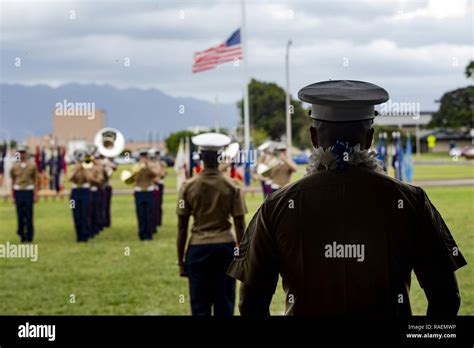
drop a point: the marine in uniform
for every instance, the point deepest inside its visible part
(211, 197)
(96, 188)
(263, 161)
(346, 237)
(23, 174)
(159, 188)
(81, 178)
(144, 174)
(280, 175)
(108, 168)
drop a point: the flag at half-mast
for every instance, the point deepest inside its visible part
(228, 51)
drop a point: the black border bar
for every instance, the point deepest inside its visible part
(237, 330)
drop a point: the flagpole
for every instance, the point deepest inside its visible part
(243, 37)
(216, 119)
(289, 140)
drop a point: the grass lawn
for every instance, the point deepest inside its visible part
(421, 172)
(104, 280)
(426, 172)
(437, 156)
(441, 172)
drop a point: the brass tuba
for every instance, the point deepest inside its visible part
(110, 142)
(88, 162)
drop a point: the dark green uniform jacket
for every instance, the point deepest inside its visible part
(345, 243)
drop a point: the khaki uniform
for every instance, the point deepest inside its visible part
(158, 194)
(79, 178)
(396, 223)
(211, 197)
(109, 168)
(281, 174)
(144, 179)
(144, 199)
(98, 173)
(97, 207)
(81, 196)
(223, 167)
(23, 175)
(163, 166)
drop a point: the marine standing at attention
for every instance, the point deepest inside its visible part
(211, 197)
(346, 237)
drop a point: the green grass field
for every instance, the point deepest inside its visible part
(104, 280)
(421, 172)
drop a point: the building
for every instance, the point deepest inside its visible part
(73, 124)
(445, 138)
(78, 126)
(70, 126)
(407, 123)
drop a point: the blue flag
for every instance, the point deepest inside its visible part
(380, 151)
(248, 161)
(400, 158)
(408, 160)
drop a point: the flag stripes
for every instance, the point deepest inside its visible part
(228, 51)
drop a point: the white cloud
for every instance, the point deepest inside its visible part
(414, 48)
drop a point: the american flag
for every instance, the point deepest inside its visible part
(227, 51)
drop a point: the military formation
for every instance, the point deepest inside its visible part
(344, 239)
(91, 193)
(91, 189)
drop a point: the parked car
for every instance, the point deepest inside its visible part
(168, 159)
(301, 158)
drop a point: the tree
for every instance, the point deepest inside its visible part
(267, 112)
(469, 72)
(259, 136)
(455, 110)
(172, 142)
(457, 107)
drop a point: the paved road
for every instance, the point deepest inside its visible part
(453, 182)
(443, 163)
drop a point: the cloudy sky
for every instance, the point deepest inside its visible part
(417, 50)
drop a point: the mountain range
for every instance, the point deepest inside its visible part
(27, 110)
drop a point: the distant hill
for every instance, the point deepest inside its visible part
(27, 110)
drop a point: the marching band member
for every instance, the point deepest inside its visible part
(81, 178)
(108, 168)
(280, 175)
(159, 188)
(23, 174)
(144, 173)
(108, 143)
(96, 206)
